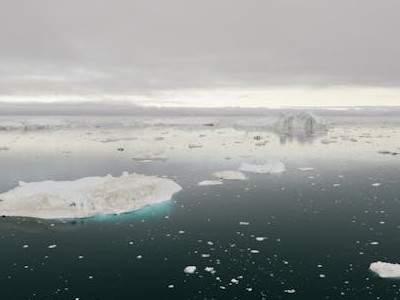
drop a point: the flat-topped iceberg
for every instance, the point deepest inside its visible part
(86, 197)
(385, 270)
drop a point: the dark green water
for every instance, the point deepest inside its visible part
(296, 235)
(317, 241)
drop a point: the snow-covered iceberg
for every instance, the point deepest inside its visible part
(86, 197)
(385, 270)
(270, 167)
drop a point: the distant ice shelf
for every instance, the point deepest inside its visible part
(86, 197)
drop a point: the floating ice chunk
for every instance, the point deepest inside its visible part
(190, 269)
(376, 184)
(86, 197)
(230, 175)
(210, 270)
(52, 246)
(292, 291)
(385, 270)
(244, 223)
(270, 167)
(305, 169)
(209, 182)
(260, 238)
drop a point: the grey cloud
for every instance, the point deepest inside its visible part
(128, 46)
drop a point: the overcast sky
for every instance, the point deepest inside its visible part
(201, 52)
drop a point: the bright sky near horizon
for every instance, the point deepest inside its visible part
(213, 53)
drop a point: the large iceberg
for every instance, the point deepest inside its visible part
(303, 127)
(300, 122)
(86, 197)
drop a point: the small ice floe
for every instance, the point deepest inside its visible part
(260, 238)
(376, 184)
(255, 251)
(210, 182)
(210, 270)
(385, 270)
(52, 246)
(305, 169)
(150, 159)
(291, 291)
(230, 175)
(270, 167)
(190, 269)
(374, 243)
(244, 223)
(86, 197)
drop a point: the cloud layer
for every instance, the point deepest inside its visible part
(124, 47)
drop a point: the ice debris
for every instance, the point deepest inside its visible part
(86, 197)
